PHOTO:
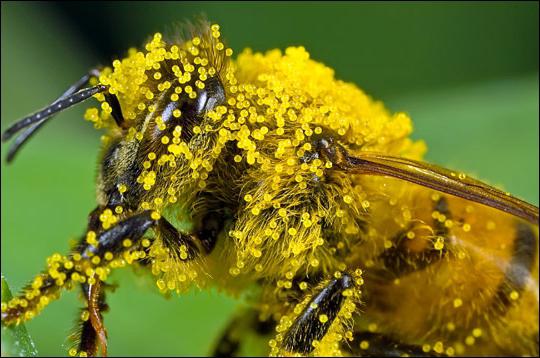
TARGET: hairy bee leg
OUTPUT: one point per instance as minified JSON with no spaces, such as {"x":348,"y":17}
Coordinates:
{"x":134,"y":228}
{"x":62,"y":269}
{"x":314,"y":321}
{"x":110,"y":240}
{"x":93,"y":335}
{"x":116,"y":110}
{"x":175,"y":239}
{"x":367,"y":344}
{"x":229,"y":343}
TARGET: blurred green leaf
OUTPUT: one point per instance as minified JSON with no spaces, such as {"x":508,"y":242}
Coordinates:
{"x":15,"y":339}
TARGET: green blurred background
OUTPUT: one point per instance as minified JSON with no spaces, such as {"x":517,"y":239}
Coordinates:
{"x":466,"y":73}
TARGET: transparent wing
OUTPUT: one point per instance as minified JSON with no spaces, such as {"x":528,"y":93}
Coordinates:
{"x":440,"y":179}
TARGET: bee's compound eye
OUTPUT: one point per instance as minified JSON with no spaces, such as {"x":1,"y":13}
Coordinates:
{"x":211,"y":96}
{"x":208,"y":98}
{"x":188,"y":113}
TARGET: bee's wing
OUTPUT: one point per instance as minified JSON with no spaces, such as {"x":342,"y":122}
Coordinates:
{"x":441,"y":179}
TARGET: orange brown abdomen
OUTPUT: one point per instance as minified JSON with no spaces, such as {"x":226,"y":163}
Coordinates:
{"x":454,"y":277}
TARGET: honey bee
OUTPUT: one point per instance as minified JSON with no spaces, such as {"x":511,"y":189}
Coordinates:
{"x":269,"y":176}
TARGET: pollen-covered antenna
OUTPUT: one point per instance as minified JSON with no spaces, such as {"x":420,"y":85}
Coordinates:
{"x":73,"y":95}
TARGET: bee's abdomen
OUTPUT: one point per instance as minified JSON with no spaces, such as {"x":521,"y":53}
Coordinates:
{"x":518,"y":272}
{"x":466,"y":283}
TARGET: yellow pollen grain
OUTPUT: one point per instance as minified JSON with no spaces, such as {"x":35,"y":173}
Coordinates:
{"x":439,"y":244}
{"x":514,"y":295}
{"x":323,"y":318}
{"x":438,"y":347}
{"x":85,"y":315}
{"x":477,"y":332}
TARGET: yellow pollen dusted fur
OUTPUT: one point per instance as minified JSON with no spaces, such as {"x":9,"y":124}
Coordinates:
{"x":266,"y":176}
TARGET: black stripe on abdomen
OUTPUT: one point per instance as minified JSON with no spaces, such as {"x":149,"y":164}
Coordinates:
{"x":519,"y":269}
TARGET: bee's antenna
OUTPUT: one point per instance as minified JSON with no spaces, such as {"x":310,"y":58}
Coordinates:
{"x":73,"y":95}
{"x":41,"y":117}
{"x":23,"y":138}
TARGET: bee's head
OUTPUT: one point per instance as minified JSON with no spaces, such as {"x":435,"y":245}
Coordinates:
{"x":170,"y":86}
{"x":165,"y":111}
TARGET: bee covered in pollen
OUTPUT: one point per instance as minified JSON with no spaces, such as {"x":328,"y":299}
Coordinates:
{"x":299,"y":188}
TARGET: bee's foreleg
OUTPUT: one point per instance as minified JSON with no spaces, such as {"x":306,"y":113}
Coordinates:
{"x":200,"y":241}
{"x":92,"y":334}
{"x":309,"y":328}
{"x":230,"y":342}
{"x":112,"y":240}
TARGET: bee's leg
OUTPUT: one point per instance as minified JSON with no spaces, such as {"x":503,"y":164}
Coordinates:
{"x":116,"y":110}
{"x":367,"y":344}
{"x":229,"y":344}
{"x":82,"y":267}
{"x":93,"y":336}
{"x":112,"y":241}
{"x":319,"y":313}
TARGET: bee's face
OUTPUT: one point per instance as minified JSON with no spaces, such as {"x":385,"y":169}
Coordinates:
{"x":172,"y":100}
